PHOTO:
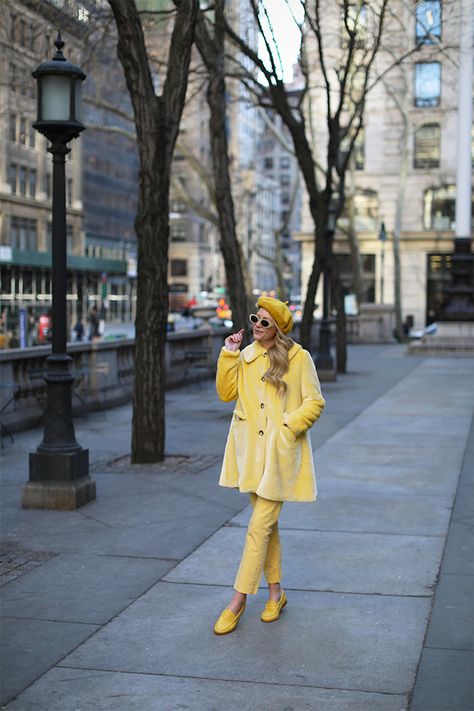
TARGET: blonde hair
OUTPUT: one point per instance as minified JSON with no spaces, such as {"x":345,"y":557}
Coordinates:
{"x":279,"y":361}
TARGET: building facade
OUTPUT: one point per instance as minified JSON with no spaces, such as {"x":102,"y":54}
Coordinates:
{"x":404,"y":166}
{"x":28,"y":32}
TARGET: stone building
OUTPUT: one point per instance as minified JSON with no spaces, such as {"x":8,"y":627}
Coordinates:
{"x":405,"y":162}
{"x":28,"y":30}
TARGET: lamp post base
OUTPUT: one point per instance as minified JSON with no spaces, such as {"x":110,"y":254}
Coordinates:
{"x":58,"y":480}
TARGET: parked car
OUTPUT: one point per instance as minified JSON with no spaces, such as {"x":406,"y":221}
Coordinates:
{"x":184,"y":321}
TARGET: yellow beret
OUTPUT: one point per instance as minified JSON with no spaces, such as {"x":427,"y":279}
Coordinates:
{"x":279,"y":311}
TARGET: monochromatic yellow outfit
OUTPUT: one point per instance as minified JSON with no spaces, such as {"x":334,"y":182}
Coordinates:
{"x":268,"y":451}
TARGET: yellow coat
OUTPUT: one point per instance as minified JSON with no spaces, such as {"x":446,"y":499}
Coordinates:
{"x":268,"y":448}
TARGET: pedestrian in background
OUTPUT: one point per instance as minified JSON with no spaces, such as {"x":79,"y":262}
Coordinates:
{"x":268,"y":452}
{"x":93,"y":323}
{"x":79,"y":329}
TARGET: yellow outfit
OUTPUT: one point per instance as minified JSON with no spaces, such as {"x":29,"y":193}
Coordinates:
{"x":268,"y":449}
{"x":262,"y":547}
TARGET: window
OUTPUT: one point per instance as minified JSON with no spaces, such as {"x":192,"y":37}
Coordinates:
{"x":13,"y":77}
{"x":69,"y":239}
{"x":179,"y":267}
{"x":177,"y":205}
{"x":427,"y":146}
{"x":21,"y":32}
{"x":22,"y":180}
{"x":13,"y":128}
{"x":268,"y":163}
{"x":12,"y":172}
{"x":94,"y":252}
{"x":439,"y":208}
{"x":284,"y":181}
{"x":428,"y":21}
{"x":23,"y":233}
{"x":178,"y":232}
{"x":32,"y":183}
{"x":32,"y":136}
{"x":354,"y":22}
{"x":47,"y":185}
{"x":285,"y":198}
{"x":284,"y":163}
{"x":427,"y":84}
{"x":359,"y":150}
{"x":69,"y":191}
{"x":22,"y":136}
{"x":344,"y":262}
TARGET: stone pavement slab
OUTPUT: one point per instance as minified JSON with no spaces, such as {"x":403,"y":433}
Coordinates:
{"x":30,"y":647}
{"x":364,"y":512}
{"x":80,"y":587}
{"x":451,"y":624}
{"x":444,"y":682}
{"x":86,"y":690}
{"x":347,"y":562}
{"x":445,"y":677}
{"x":361,"y":642}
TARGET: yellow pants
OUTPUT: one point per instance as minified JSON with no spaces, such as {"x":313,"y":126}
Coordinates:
{"x":262,"y":550}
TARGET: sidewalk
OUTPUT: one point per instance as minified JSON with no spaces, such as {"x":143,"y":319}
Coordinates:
{"x":111,"y":607}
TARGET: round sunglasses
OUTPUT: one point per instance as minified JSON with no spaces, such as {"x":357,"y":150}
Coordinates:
{"x":264,"y":322}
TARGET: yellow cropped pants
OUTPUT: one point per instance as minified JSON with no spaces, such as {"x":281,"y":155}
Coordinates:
{"x":262,"y":550}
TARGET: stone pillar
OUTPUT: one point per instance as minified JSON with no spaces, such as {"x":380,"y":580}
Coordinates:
{"x":459,"y":304}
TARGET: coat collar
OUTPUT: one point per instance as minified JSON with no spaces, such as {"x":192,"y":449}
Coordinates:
{"x":254,"y":350}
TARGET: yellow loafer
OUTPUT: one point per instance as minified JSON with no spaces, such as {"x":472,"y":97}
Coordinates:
{"x":228,"y":621}
{"x":273,"y":608}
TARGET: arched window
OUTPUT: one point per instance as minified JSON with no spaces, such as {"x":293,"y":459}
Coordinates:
{"x":427,"y":146}
{"x":439,"y":208}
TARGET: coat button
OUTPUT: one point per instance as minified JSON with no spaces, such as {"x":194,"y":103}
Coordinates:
{"x":262,"y":378}
{"x":262,"y":405}
{"x":264,"y":355}
{"x":260,"y":433}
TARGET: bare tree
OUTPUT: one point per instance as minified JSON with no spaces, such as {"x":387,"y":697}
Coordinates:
{"x":210,"y":41}
{"x":345,"y":71}
{"x":157,"y":118}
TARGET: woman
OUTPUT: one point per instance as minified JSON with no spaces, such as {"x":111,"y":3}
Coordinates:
{"x":268,"y":451}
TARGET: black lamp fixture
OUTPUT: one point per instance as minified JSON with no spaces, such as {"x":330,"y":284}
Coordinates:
{"x":59,"y":469}
{"x":59,"y":97}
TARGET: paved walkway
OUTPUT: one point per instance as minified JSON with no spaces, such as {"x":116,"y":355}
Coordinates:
{"x":111,"y":607}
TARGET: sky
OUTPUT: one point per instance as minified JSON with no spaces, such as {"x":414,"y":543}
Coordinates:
{"x":286,"y":32}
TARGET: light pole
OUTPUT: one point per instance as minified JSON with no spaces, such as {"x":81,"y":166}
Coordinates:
{"x":383,"y":239}
{"x":324,"y":359}
{"x":59,"y":469}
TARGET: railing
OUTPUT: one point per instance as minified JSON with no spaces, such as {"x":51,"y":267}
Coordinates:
{"x":103,"y":374}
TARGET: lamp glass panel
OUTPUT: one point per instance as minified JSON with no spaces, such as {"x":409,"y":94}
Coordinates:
{"x":78,"y":99}
{"x":55,"y":98}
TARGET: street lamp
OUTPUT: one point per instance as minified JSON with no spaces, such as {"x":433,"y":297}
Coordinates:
{"x":59,"y":469}
{"x":383,"y":239}
{"x":325,"y":360}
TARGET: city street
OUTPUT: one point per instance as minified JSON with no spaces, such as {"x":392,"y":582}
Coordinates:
{"x":111,"y":607}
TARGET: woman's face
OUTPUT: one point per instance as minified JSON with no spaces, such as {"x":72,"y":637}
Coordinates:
{"x":265,"y":336}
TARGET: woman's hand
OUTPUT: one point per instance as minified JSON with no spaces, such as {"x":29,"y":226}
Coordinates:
{"x":232,"y":342}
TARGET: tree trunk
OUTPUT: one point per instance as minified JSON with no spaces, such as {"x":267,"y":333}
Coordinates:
{"x":152,"y":228}
{"x":157,"y":121}
{"x":307,"y":318}
{"x":341,"y":336}
{"x":360,"y":285}
{"x":212,"y":50}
